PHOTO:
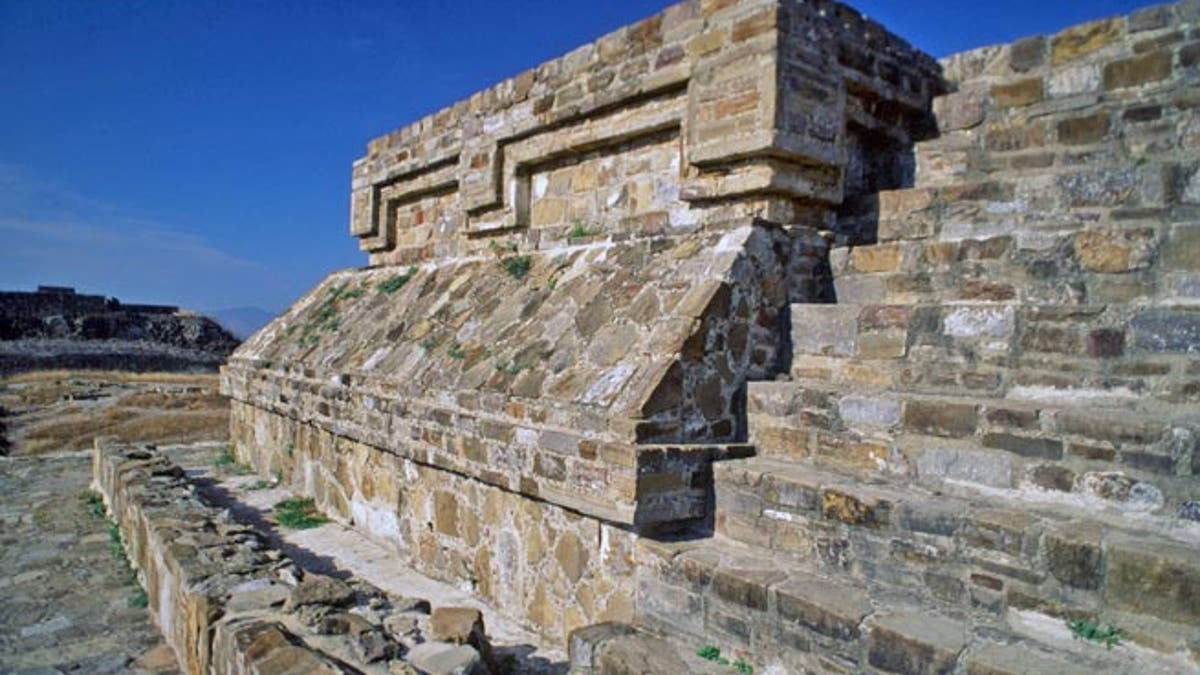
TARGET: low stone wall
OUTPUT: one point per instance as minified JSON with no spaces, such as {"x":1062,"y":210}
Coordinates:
{"x":227,"y":602}
{"x":550,"y":567}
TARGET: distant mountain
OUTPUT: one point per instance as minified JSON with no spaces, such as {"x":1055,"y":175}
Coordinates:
{"x":242,"y":321}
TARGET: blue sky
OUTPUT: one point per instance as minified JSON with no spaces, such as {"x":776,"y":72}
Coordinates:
{"x":198,"y":152}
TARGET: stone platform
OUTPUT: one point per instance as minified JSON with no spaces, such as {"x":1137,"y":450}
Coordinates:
{"x":750,"y":324}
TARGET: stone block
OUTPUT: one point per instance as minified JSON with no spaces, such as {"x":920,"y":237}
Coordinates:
{"x":965,"y":465}
{"x":958,"y":111}
{"x":1083,"y":130}
{"x":877,"y":258}
{"x":975,"y":322}
{"x":1081,"y":40}
{"x":1150,"y":18}
{"x":1020,"y":93}
{"x":832,"y":610}
{"x":1153,"y":577}
{"x":869,"y":411}
{"x":1074,"y":80}
{"x":825,"y":330}
{"x":1137,"y":71}
{"x":1026,"y":446}
{"x":1179,"y":251}
{"x":1115,"y":251}
{"x":583,"y":642}
{"x":855,"y":509}
{"x":461,"y":626}
{"x":1073,"y":555}
{"x":1168,"y":331}
{"x":745,"y":586}
{"x":441,"y":658}
{"x":915,"y":643}
{"x":1028,"y":53}
{"x":939,"y":418}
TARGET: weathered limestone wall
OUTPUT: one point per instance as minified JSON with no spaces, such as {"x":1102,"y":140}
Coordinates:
{"x":574,"y":274}
{"x":529,"y":558}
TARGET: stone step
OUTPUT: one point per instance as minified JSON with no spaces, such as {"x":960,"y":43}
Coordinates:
{"x":784,"y":615}
{"x":1106,"y":354}
{"x":1139,"y":462}
{"x":986,"y":259}
{"x":982,"y":555}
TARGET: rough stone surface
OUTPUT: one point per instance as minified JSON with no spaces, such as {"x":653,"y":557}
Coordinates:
{"x":56,"y":328}
{"x":69,"y":604}
{"x":960,"y":346}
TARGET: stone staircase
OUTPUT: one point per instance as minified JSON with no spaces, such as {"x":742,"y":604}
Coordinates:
{"x":994,"y":431}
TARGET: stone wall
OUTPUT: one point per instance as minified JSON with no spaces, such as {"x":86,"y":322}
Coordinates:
{"x":573,"y":276}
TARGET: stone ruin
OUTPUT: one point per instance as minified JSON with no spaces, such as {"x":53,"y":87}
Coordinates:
{"x":751,"y":325}
{"x":57,"y":328}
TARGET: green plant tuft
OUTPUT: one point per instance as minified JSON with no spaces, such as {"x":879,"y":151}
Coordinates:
{"x":517,"y":266}
{"x":711,"y":653}
{"x":508,"y":367}
{"x":1094,"y":632}
{"x":456,"y":352}
{"x":225,"y":459}
{"x":743,"y":667}
{"x":396,"y":281}
{"x":581,"y":230}
{"x":95,"y":503}
{"x":139,"y":599}
{"x":299,"y":514}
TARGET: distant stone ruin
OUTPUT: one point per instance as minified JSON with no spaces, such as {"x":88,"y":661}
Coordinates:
{"x":751,"y":326}
{"x":57,"y":328}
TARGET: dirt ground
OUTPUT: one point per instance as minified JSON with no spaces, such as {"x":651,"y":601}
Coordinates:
{"x":57,"y":411}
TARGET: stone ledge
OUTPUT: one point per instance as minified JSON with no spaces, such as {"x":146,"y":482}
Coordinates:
{"x":228,"y":602}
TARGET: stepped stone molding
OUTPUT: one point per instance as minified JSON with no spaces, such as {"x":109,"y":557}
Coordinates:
{"x":759,"y":94}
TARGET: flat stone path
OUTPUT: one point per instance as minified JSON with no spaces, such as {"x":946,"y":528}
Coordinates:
{"x":68,"y":606}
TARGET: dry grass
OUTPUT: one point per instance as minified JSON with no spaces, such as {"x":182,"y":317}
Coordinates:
{"x":137,"y":410}
{"x":196,"y":379}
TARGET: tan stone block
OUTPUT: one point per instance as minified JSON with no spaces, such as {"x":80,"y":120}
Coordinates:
{"x":755,"y":24}
{"x":877,"y":258}
{"x":548,"y":212}
{"x":571,"y":555}
{"x":1020,"y":93}
{"x":1115,"y":251}
{"x":706,"y":43}
{"x":889,"y":344}
{"x":1084,"y":39}
{"x":1138,"y":70}
{"x":445,"y":514}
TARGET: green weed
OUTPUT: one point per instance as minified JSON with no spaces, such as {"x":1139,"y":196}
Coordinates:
{"x":456,"y":352}
{"x":139,"y":599}
{"x":742,"y":667}
{"x":396,"y":281}
{"x":517,"y":266}
{"x":508,"y":367}
{"x":95,"y":503}
{"x":1094,"y":632}
{"x":581,"y":230}
{"x":299,"y":514}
